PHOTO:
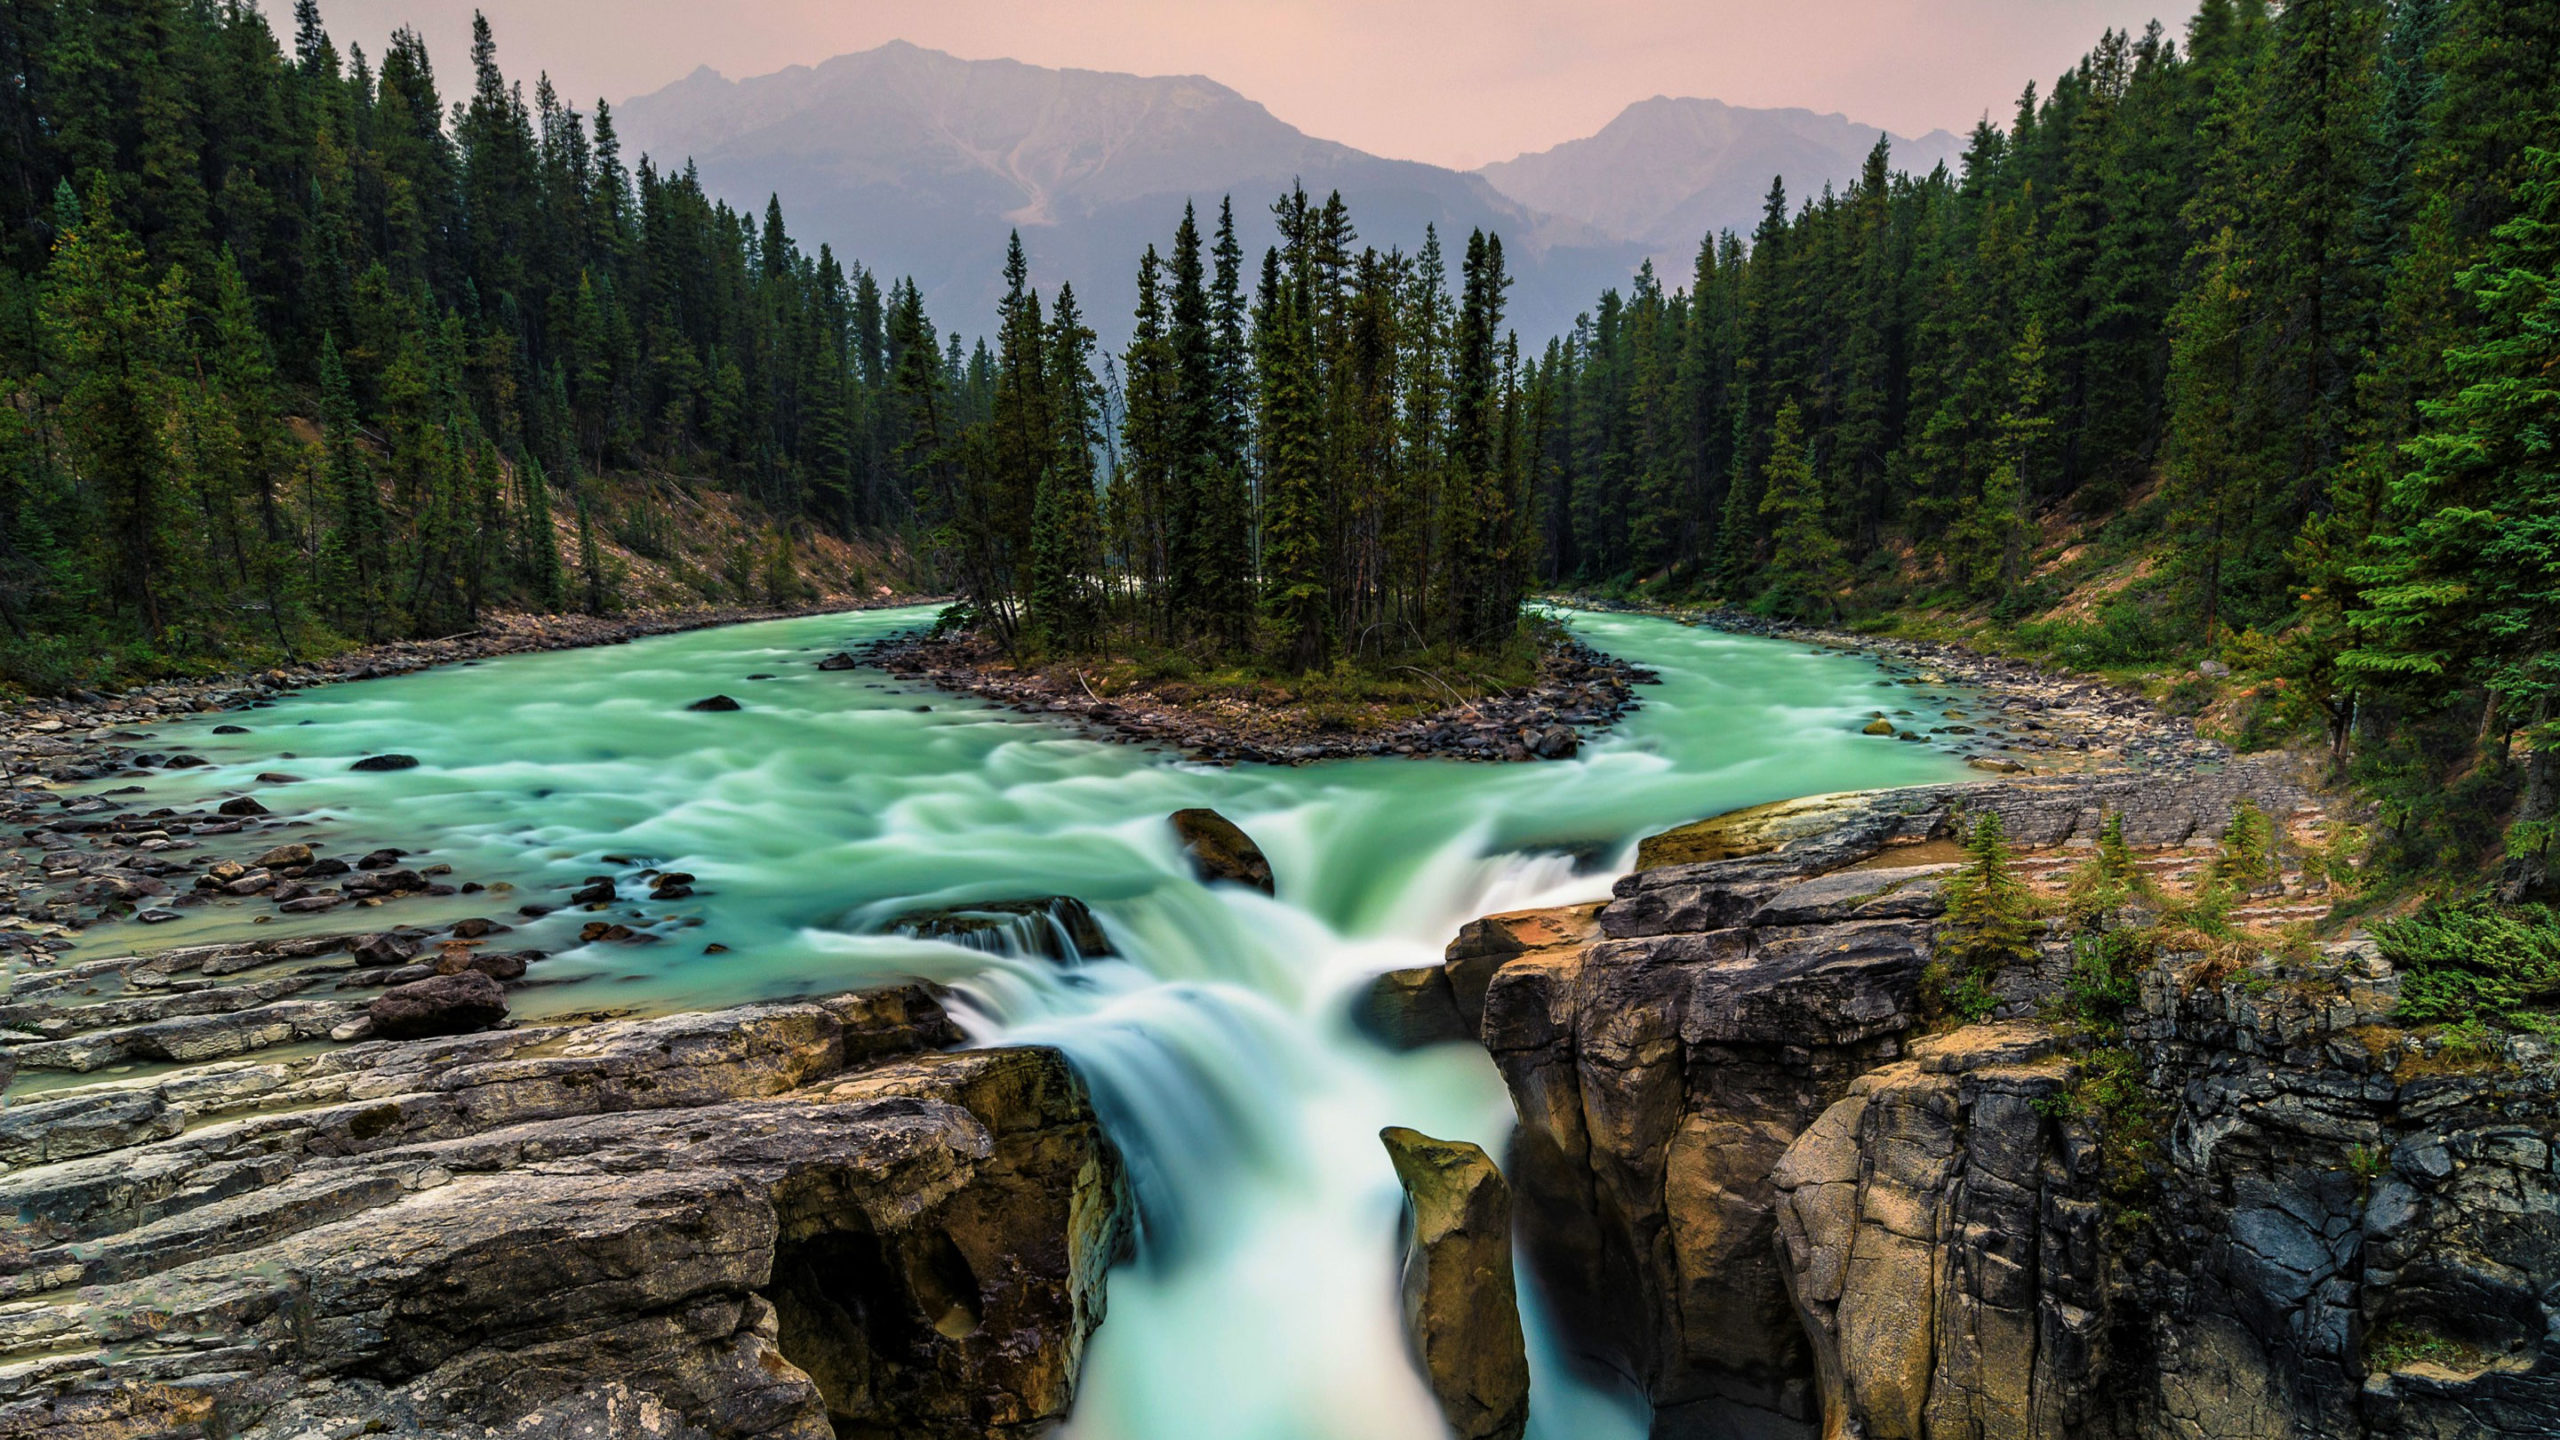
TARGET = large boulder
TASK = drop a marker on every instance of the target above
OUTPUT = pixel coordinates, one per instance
(1408, 1009)
(454, 1004)
(1222, 852)
(1461, 1309)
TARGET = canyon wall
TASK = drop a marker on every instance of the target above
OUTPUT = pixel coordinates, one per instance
(1755, 1177)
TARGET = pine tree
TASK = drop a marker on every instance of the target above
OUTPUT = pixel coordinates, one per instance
(110, 333)
(1063, 600)
(1293, 520)
(1805, 569)
(1990, 919)
(1991, 533)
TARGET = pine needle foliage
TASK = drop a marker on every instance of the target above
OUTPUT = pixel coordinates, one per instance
(2472, 961)
(1990, 922)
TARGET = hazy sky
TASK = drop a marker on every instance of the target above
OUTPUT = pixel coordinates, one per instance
(1454, 82)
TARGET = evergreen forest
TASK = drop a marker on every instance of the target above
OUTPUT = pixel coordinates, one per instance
(2239, 345)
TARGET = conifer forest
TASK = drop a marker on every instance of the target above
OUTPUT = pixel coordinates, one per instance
(305, 347)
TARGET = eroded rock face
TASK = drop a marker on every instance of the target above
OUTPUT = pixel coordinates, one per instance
(1461, 1310)
(1660, 1068)
(1941, 1238)
(1748, 1177)
(779, 1220)
(2353, 1242)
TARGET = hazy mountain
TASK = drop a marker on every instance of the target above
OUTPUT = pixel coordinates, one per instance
(1668, 172)
(916, 162)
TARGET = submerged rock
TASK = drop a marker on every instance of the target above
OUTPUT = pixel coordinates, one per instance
(1054, 927)
(1408, 1009)
(715, 703)
(375, 763)
(1221, 851)
(1461, 1309)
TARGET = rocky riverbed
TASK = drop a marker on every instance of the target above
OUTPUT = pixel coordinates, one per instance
(1578, 690)
(111, 854)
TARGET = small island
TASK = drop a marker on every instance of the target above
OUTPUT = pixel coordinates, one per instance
(1295, 527)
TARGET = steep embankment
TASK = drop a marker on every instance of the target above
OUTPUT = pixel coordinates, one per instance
(1766, 1173)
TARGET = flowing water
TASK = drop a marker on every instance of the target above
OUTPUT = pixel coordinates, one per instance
(1260, 1304)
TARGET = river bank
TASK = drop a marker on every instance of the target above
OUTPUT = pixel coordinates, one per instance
(2066, 722)
(108, 856)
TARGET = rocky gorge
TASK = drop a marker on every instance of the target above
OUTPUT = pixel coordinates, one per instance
(319, 1180)
(1768, 1179)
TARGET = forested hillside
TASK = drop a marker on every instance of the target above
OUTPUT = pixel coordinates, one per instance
(2237, 346)
(295, 353)
(2245, 347)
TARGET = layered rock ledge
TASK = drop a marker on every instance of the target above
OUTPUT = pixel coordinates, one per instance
(779, 1220)
(1758, 1175)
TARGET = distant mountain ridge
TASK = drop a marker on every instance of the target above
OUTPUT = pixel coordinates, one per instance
(1668, 172)
(916, 162)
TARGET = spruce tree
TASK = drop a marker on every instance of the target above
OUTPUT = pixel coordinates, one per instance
(1063, 600)
(110, 333)
(1293, 520)
(1804, 571)
(1990, 918)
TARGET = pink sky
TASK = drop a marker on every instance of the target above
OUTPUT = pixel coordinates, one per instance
(1454, 82)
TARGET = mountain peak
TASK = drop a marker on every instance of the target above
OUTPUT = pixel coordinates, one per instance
(1671, 170)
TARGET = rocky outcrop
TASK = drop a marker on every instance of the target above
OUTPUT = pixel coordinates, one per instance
(1665, 1054)
(1750, 1175)
(1660, 1070)
(1461, 1310)
(1220, 851)
(787, 1219)
(1941, 1237)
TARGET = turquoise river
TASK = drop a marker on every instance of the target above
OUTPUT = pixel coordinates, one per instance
(1260, 1303)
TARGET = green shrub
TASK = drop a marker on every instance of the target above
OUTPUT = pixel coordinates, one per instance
(2470, 962)
(2106, 971)
(2248, 858)
(2126, 632)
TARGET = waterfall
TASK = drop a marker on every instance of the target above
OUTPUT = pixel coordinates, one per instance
(1211, 1025)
